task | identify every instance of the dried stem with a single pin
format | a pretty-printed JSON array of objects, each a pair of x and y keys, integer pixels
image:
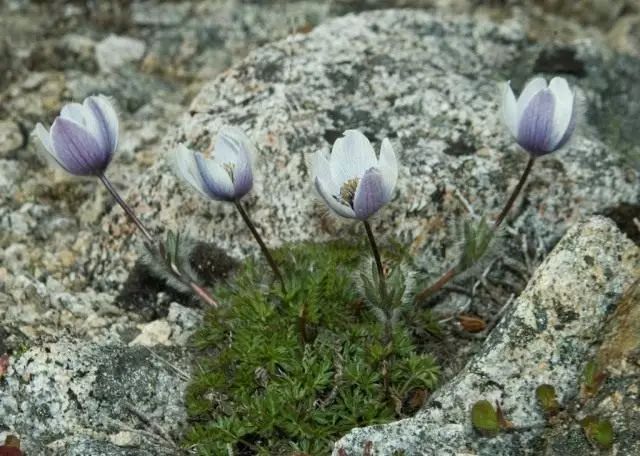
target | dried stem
[
  {"x": 262, "y": 245},
  {"x": 152, "y": 244},
  {"x": 516, "y": 192},
  {"x": 442, "y": 281}
]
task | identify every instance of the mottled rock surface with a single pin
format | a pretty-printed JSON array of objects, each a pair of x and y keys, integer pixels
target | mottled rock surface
[
  {"x": 546, "y": 338},
  {"x": 55, "y": 394},
  {"x": 430, "y": 84}
]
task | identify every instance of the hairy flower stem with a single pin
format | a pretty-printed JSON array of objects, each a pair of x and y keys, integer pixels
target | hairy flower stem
[
  {"x": 388, "y": 336},
  {"x": 152, "y": 244},
  {"x": 451, "y": 273},
  {"x": 516, "y": 192},
  {"x": 262, "y": 245},
  {"x": 442, "y": 281}
]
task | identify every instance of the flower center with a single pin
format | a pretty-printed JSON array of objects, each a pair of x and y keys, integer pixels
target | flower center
[
  {"x": 229, "y": 168},
  {"x": 348, "y": 191}
]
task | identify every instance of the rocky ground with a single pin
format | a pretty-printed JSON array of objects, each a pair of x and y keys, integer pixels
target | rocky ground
[{"x": 79, "y": 325}]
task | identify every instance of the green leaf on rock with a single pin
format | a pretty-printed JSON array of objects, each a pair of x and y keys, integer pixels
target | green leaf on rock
[
  {"x": 484, "y": 417},
  {"x": 598, "y": 431},
  {"x": 546, "y": 394}
]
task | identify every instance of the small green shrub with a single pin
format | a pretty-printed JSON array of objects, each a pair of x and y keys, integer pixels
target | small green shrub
[{"x": 260, "y": 390}]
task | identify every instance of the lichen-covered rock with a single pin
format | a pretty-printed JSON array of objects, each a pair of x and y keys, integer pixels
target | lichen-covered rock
[
  {"x": 61, "y": 397},
  {"x": 427, "y": 82},
  {"x": 546, "y": 338}
]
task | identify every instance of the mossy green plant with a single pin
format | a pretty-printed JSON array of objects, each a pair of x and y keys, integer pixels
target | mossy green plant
[{"x": 260, "y": 390}]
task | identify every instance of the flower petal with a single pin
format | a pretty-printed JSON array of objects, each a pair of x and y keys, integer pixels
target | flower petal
[
  {"x": 76, "y": 149},
  {"x": 75, "y": 112},
  {"x": 320, "y": 169},
  {"x": 216, "y": 180},
  {"x": 530, "y": 90},
  {"x": 564, "y": 107},
  {"x": 233, "y": 146},
  {"x": 351, "y": 157},
  {"x": 184, "y": 163},
  {"x": 370, "y": 195},
  {"x": 510, "y": 109},
  {"x": 536, "y": 124},
  {"x": 102, "y": 122},
  {"x": 45, "y": 138},
  {"x": 334, "y": 205},
  {"x": 388, "y": 165}
]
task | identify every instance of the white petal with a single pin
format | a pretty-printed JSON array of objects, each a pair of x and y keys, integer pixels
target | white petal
[
  {"x": 321, "y": 170},
  {"x": 185, "y": 167},
  {"x": 510, "y": 109},
  {"x": 335, "y": 206},
  {"x": 351, "y": 157},
  {"x": 563, "y": 108},
  {"x": 232, "y": 145},
  {"x": 533, "y": 86},
  {"x": 75, "y": 112},
  {"x": 388, "y": 166},
  {"x": 45, "y": 138}
]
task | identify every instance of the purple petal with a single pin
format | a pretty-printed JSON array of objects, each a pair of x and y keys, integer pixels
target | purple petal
[
  {"x": 76, "y": 149},
  {"x": 535, "y": 127},
  {"x": 370, "y": 195},
  {"x": 102, "y": 122},
  {"x": 242, "y": 179},
  {"x": 216, "y": 180}
]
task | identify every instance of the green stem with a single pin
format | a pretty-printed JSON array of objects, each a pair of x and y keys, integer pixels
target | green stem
[{"x": 262, "y": 245}]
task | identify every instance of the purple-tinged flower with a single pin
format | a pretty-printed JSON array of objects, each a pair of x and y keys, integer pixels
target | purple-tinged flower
[
  {"x": 228, "y": 175},
  {"x": 353, "y": 182},
  {"x": 543, "y": 118},
  {"x": 83, "y": 138}
]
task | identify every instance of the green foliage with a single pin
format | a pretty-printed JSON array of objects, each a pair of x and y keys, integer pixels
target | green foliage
[
  {"x": 598, "y": 431},
  {"x": 592, "y": 378},
  {"x": 262, "y": 391},
  {"x": 485, "y": 418},
  {"x": 478, "y": 236},
  {"x": 546, "y": 394}
]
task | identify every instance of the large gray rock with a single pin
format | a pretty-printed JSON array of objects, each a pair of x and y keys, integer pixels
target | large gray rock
[
  {"x": 427, "y": 82},
  {"x": 79, "y": 398},
  {"x": 547, "y": 338}
]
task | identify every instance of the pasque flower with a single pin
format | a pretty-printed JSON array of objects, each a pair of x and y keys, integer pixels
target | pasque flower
[
  {"x": 83, "y": 138},
  {"x": 352, "y": 181},
  {"x": 228, "y": 175},
  {"x": 543, "y": 118}
]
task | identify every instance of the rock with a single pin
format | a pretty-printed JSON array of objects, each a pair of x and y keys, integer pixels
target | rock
[
  {"x": 73, "y": 395},
  {"x": 154, "y": 333},
  {"x": 546, "y": 338},
  {"x": 10, "y": 138},
  {"x": 10, "y": 174},
  {"x": 116, "y": 51},
  {"x": 625, "y": 35},
  {"x": 592, "y": 12},
  {"x": 427, "y": 82}
]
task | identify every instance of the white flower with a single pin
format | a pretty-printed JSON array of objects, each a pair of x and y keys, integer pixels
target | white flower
[
  {"x": 83, "y": 139},
  {"x": 353, "y": 182},
  {"x": 228, "y": 175},
  {"x": 543, "y": 118}
]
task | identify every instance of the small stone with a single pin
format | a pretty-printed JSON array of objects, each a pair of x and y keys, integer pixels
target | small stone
[
  {"x": 155, "y": 333},
  {"x": 10, "y": 137},
  {"x": 126, "y": 439},
  {"x": 116, "y": 51}
]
